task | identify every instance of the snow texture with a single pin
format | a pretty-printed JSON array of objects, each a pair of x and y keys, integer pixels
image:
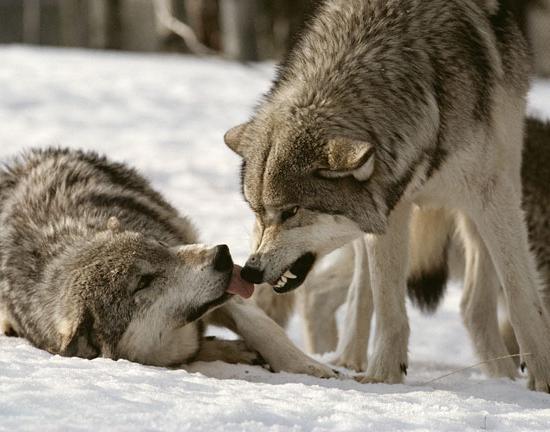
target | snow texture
[{"x": 166, "y": 115}]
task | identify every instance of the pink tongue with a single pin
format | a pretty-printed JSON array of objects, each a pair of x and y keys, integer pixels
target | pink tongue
[{"x": 239, "y": 286}]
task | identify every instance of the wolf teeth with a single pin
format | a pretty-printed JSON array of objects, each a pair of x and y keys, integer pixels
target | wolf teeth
[
  {"x": 284, "y": 279},
  {"x": 281, "y": 282},
  {"x": 289, "y": 275}
]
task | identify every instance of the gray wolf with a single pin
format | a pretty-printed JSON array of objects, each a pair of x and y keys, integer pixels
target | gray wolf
[
  {"x": 436, "y": 255},
  {"x": 383, "y": 106},
  {"x": 94, "y": 262}
]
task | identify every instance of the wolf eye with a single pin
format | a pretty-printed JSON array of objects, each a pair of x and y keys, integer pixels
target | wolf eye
[
  {"x": 287, "y": 214},
  {"x": 145, "y": 282}
]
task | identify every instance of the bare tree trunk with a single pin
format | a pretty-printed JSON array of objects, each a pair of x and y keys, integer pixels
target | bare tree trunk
[
  {"x": 169, "y": 25},
  {"x": 238, "y": 19},
  {"x": 105, "y": 24},
  {"x": 279, "y": 24},
  {"x": 11, "y": 29},
  {"x": 31, "y": 21},
  {"x": 290, "y": 16},
  {"x": 140, "y": 30},
  {"x": 97, "y": 24},
  {"x": 74, "y": 23},
  {"x": 113, "y": 24},
  {"x": 204, "y": 18}
]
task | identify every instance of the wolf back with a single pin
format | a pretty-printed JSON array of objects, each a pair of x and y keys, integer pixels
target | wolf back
[{"x": 50, "y": 197}]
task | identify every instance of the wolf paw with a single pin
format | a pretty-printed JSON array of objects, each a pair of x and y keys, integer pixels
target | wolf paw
[
  {"x": 229, "y": 351},
  {"x": 315, "y": 369},
  {"x": 383, "y": 376},
  {"x": 241, "y": 354},
  {"x": 536, "y": 358},
  {"x": 539, "y": 375},
  {"x": 365, "y": 379},
  {"x": 353, "y": 361},
  {"x": 504, "y": 368},
  {"x": 388, "y": 366}
]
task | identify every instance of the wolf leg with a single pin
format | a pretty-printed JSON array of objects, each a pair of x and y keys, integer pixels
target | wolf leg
[
  {"x": 502, "y": 227},
  {"x": 388, "y": 256},
  {"x": 229, "y": 351},
  {"x": 510, "y": 339},
  {"x": 263, "y": 335},
  {"x": 318, "y": 310},
  {"x": 353, "y": 342},
  {"x": 479, "y": 304},
  {"x": 324, "y": 291}
]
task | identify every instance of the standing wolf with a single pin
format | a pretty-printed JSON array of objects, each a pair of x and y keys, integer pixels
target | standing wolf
[
  {"x": 433, "y": 258},
  {"x": 94, "y": 262},
  {"x": 382, "y": 105}
]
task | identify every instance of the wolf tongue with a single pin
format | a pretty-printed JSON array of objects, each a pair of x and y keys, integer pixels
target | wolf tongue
[{"x": 239, "y": 286}]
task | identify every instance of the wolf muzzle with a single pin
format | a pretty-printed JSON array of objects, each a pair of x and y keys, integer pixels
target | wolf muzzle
[{"x": 289, "y": 280}]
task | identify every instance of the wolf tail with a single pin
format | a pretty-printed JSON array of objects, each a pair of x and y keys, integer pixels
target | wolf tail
[{"x": 431, "y": 232}]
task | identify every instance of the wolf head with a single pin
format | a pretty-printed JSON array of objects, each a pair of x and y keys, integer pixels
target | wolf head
[
  {"x": 127, "y": 296},
  {"x": 349, "y": 126},
  {"x": 312, "y": 188}
]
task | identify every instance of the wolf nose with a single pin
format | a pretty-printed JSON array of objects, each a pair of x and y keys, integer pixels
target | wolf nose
[
  {"x": 251, "y": 273},
  {"x": 222, "y": 260}
]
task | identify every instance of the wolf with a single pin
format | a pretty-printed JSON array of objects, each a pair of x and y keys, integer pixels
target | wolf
[
  {"x": 382, "y": 106},
  {"x": 436, "y": 255},
  {"x": 94, "y": 262}
]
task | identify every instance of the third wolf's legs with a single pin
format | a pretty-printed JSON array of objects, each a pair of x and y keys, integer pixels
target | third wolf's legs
[
  {"x": 351, "y": 351},
  {"x": 479, "y": 304}
]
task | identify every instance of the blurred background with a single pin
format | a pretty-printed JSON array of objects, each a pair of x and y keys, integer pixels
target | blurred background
[{"x": 245, "y": 30}]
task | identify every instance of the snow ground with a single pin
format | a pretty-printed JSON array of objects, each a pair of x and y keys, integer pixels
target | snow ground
[{"x": 166, "y": 115}]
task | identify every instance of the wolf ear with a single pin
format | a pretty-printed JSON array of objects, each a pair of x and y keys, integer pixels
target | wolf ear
[
  {"x": 347, "y": 157},
  {"x": 233, "y": 139}
]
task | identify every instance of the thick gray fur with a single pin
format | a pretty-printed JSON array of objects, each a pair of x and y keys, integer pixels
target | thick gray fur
[
  {"x": 94, "y": 262},
  {"x": 327, "y": 287},
  {"x": 54, "y": 242},
  {"x": 383, "y": 107},
  {"x": 372, "y": 70}
]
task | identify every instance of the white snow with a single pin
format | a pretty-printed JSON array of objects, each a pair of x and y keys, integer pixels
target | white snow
[{"x": 167, "y": 115}]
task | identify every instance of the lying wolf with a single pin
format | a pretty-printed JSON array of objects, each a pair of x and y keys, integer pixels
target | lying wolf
[
  {"x": 436, "y": 255},
  {"x": 94, "y": 262},
  {"x": 382, "y": 106}
]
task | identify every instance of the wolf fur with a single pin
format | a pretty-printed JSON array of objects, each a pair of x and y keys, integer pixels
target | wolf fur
[
  {"x": 94, "y": 262},
  {"x": 432, "y": 95},
  {"x": 343, "y": 278},
  {"x": 434, "y": 245}
]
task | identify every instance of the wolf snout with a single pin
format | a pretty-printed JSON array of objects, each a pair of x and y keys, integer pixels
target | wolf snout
[
  {"x": 222, "y": 259},
  {"x": 251, "y": 271}
]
